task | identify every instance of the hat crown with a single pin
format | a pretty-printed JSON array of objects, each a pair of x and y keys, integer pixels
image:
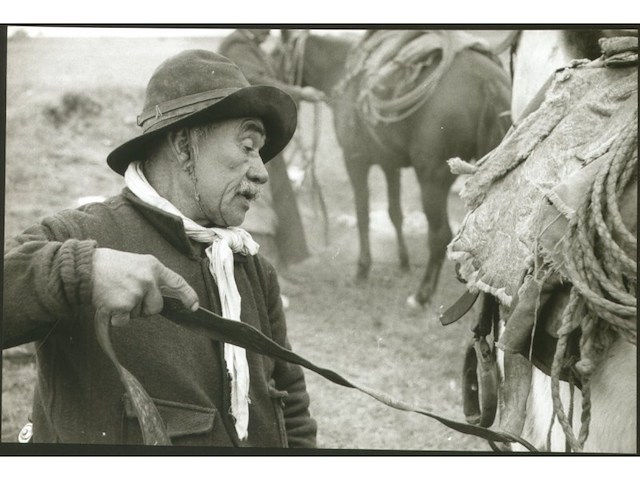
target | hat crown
[
  {"x": 189, "y": 73},
  {"x": 199, "y": 86}
]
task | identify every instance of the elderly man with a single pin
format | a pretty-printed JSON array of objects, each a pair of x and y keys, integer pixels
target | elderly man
[
  {"x": 191, "y": 177},
  {"x": 275, "y": 220}
]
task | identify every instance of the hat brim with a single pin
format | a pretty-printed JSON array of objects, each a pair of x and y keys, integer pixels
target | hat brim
[{"x": 275, "y": 108}]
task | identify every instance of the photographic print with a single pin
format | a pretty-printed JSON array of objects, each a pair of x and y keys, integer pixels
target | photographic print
[{"x": 324, "y": 238}]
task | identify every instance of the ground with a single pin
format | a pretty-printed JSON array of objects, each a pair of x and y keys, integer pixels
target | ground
[{"x": 72, "y": 101}]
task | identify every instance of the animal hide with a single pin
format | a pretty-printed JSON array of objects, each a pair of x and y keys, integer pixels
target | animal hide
[{"x": 582, "y": 113}]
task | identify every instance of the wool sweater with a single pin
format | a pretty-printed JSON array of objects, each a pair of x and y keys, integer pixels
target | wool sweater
[{"x": 79, "y": 397}]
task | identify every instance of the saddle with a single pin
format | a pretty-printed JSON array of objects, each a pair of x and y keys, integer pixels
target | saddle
[
  {"x": 398, "y": 70},
  {"x": 529, "y": 202}
]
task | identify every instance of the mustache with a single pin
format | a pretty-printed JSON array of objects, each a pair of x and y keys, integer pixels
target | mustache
[{"x": 249, "y": 190}]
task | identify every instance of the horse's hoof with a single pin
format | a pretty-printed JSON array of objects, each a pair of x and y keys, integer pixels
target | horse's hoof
[
  {"x": 362, "y": 275},
  {"x": 413, "y": 303},
  {"x": 359, "y": 280}
]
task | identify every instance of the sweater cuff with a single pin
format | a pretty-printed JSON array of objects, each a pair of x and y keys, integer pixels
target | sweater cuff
[{"x": 76, "y": 268}]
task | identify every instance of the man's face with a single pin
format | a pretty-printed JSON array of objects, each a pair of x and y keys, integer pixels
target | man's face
[{"x": 229, "y": 170}]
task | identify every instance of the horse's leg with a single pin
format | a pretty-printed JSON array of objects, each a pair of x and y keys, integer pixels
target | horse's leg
[
  {"x": 358, "y": 170},
  {"x": 395, "y": 213},
  {"x": 434, "y": 193}
]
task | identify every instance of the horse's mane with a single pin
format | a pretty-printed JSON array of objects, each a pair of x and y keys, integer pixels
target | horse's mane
[
  {"x": 329, "y": 53},
  {"x": 584, "y": 43}
]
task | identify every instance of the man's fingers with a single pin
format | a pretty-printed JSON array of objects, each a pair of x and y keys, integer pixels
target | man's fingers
[
  {"x": 173, "y": 285},
  {"x": 132, "y": 283},
  {"x": 136, "y": 312},
  {"x": 152, "y": 302}
]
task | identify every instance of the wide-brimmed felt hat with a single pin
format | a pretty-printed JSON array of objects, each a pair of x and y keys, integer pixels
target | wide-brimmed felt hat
[{"x": 199, "y": 86}]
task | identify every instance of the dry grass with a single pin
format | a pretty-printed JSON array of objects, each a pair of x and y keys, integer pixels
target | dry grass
[{"x": 363, "y": 331}]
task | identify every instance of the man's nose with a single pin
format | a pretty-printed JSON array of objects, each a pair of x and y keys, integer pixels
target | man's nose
[{"x": 257, "y": 171}]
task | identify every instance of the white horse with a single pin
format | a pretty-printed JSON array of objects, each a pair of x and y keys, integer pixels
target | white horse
[
  {"x": 537, "y": 54},
  {"x": 613, "y": 424}
]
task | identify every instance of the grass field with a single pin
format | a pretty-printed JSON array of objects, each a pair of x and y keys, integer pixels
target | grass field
[{"x": 70, "y": 101}]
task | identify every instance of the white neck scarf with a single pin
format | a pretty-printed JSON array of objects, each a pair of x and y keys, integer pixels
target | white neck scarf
[{"x": 222, "y": 243}]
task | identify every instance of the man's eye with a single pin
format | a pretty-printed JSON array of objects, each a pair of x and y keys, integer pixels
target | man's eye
[{"x": 249, "y": 145}]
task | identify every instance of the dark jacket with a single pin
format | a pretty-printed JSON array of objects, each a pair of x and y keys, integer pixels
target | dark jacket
[
  {"x": 258, "y": 68},
  {"x": 254, "y": 62},
  {"x": 79, "y": 397}
]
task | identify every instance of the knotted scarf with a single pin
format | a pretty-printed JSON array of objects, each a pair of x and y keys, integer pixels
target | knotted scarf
[{"x": 223, "y": 242}]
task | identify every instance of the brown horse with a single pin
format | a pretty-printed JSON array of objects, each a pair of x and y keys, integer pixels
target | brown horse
[{"x": 466, "y": 116}]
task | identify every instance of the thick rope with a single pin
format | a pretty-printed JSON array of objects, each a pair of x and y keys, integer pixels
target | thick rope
[
  {"x": 602, "y": 302},
  {"x": 391, "y": 66},
  {"x": 571, "y": 397},
  {"x": 550, "y": 430},
  {"x": 397, "y": 108}
]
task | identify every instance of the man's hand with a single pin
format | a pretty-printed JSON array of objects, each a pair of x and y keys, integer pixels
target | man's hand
[{"x": 129, "y": 285}]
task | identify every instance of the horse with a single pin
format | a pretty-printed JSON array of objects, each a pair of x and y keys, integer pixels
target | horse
[
  {"x": 537, "y": 53},
  {"x": 528, "y": 403},
  {"x": 465, "y": 116}
]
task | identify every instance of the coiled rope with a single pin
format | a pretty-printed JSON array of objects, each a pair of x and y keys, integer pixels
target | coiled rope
[
  {"x": 416, "y": 93},
  {"x": 398, "y": 70},
  {"x": 602, "y": 302}
]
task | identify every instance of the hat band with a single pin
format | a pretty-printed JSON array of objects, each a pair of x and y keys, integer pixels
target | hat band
[{"x": 180, "y": 107}]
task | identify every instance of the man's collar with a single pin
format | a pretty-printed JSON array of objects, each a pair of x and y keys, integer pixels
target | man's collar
[{"x": 170, "y": 226}]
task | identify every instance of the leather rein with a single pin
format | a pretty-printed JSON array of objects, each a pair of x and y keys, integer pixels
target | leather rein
[{"x": 217, "y": 328}]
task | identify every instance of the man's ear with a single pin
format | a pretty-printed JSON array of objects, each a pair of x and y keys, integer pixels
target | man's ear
[{"x": 179, "y": 141}]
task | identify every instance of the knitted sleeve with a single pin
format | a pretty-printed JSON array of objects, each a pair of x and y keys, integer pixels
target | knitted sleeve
[
  {"x": 46, "y": 276},
  {"x": 301, "y": 427}
]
